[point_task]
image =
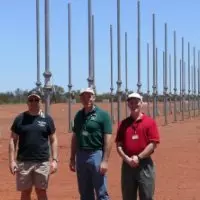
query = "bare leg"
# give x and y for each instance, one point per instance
(41, 194)
(26, 194)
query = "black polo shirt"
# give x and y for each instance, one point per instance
(33, 132)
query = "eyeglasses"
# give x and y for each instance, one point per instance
(33, 100)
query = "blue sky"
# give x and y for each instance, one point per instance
(18, 40)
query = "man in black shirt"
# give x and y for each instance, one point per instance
(31, 130)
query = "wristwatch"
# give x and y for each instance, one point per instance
(54, 159)
(139, 158)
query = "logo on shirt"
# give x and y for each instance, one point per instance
(41, 123)
(93, 117)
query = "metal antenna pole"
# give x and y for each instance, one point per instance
(170, 85)
(111, 78)
(90, 76)
(166, 88)
(93, 53)
(164, 83)
(154, 70)
(198, 83)
(119, 82)
(183, 80)
(148, 89)
(139, 84)
(194, 54)
(38, 83)
(157, 111)
(69, 68)
(181, 108)
(126, 71)
(192, 89)
(189, 89)
(175, 86)
(47, 74)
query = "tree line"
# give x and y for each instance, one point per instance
(59, 95)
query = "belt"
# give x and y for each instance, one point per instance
(89, 150)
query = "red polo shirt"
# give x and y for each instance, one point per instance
(134, 136)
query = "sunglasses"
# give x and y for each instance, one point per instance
(33, 100)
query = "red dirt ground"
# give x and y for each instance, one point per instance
(177, 159)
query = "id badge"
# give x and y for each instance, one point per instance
(135, 137)
(85, 133)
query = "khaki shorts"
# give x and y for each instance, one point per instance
(32, 174)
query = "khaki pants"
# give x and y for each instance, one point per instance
(32, 174)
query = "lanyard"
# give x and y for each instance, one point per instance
(87, 118)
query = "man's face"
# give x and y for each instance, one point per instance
(87, 99)
(134, 105)
(33, 103)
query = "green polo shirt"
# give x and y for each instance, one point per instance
(91, 127)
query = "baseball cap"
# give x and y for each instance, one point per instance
(35, 93)
(134, 95)
(87, 90)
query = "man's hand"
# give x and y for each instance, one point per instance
(13, 167)
(54, 166)
(135, 161)
(129, 161)
(103, 167)
(72, 165)
(132, 161)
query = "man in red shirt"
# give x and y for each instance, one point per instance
(137, 138)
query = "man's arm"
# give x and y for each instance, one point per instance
(149, 149)
(106, 153)
(107, 146)
(121, 152)
(119, 142)
(72, 162)
(107, 137)
(154, 138)
(12, 150)
(119, 145)
(12, 146)
(73, 147)
(54, 145)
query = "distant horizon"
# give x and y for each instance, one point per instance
(115, 93)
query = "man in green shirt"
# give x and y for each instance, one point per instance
(90, 148)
